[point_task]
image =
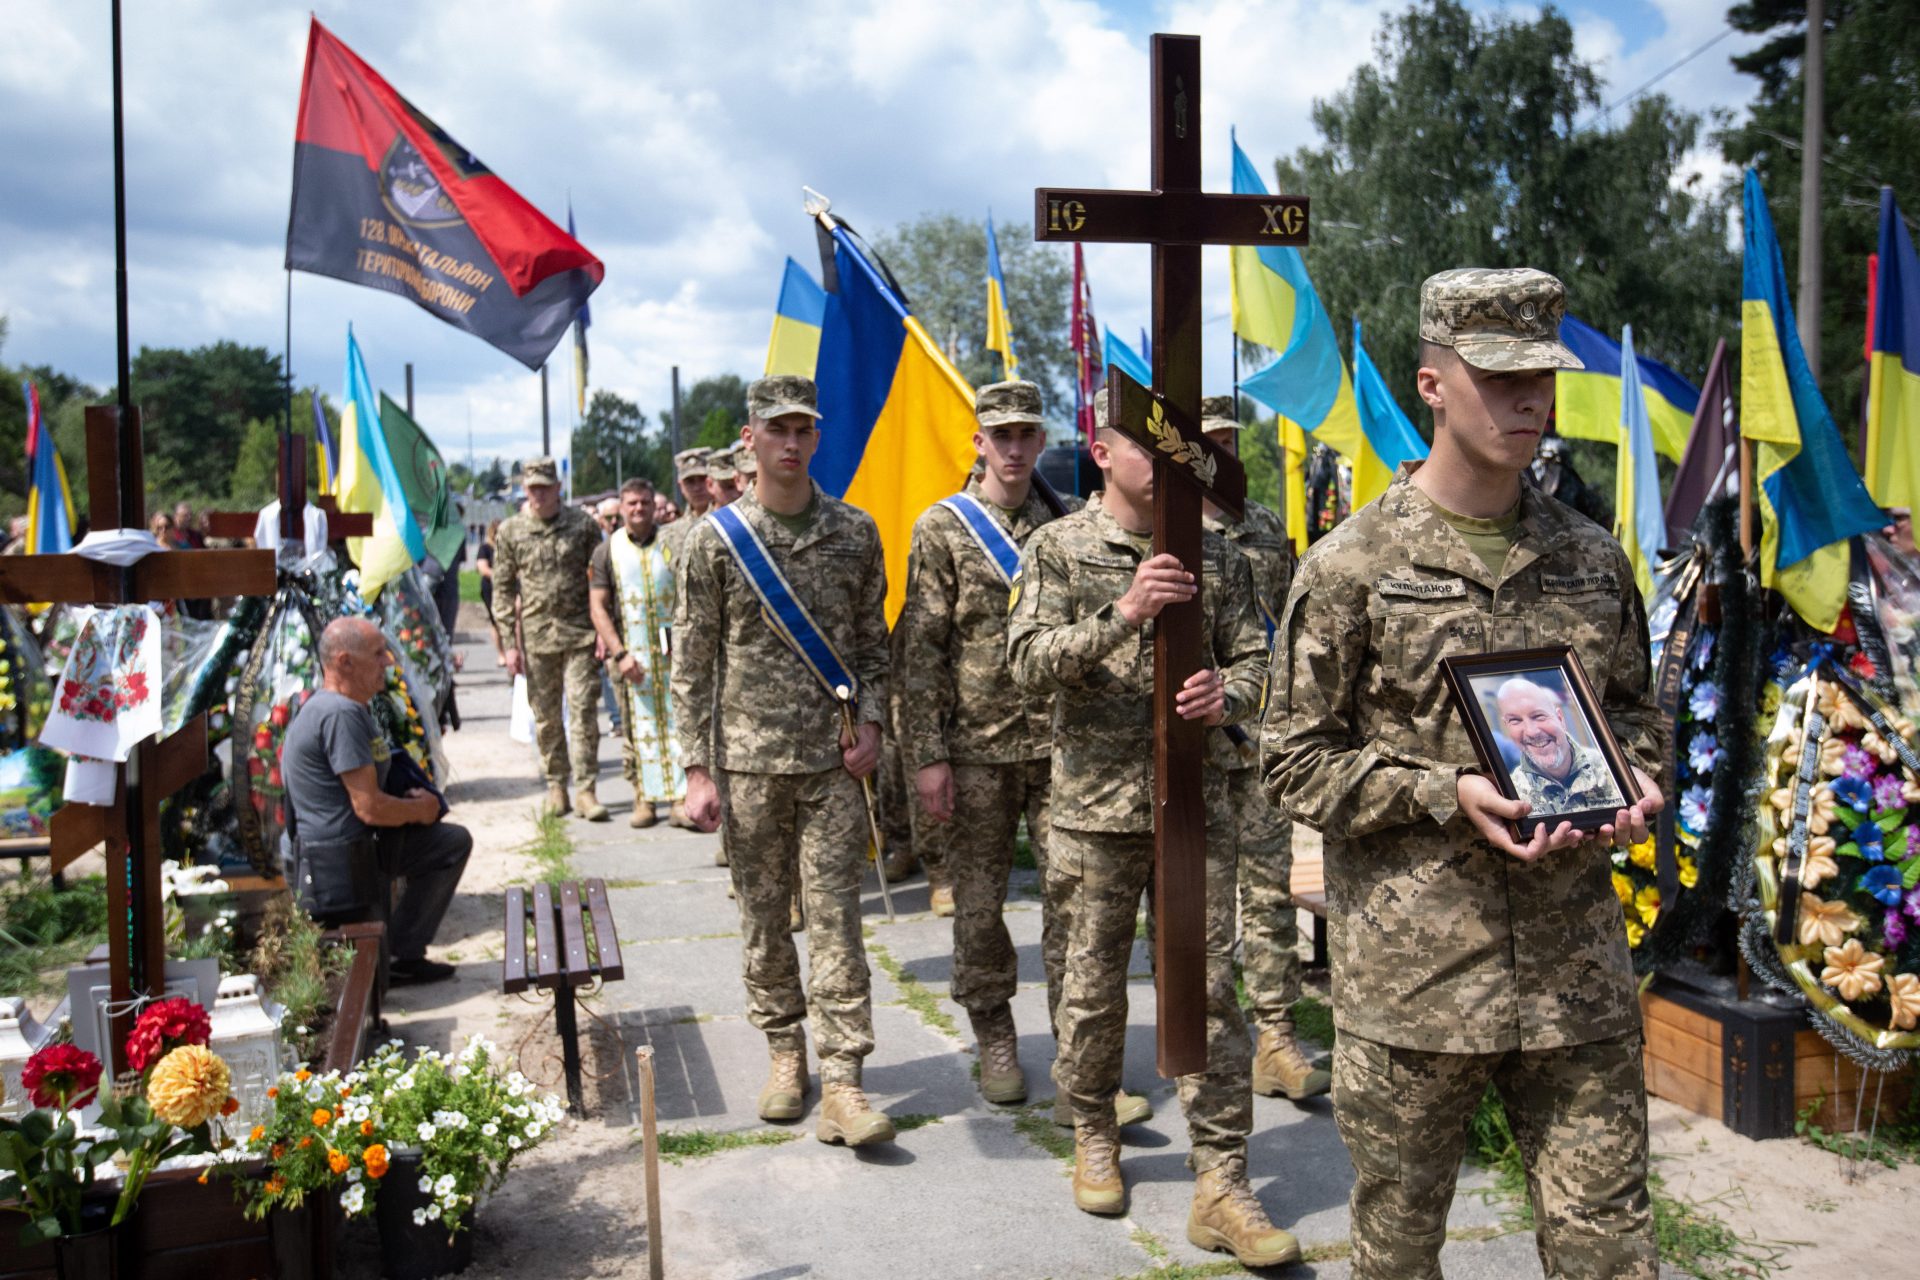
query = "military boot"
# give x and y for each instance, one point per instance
(1280, 1068)
(1001, 1079)
(1227, 1218)
(1097, 1186)
(589, 804)
(796, 917)
(939, 894)
(677, 817)
(899, 864)
(846, 1116)
(785, 1094)
(557, 803)
(1128, 1108)
(643, 814)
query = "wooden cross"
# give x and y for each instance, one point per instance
(1176, 218)
(341, 525)
(130, 826)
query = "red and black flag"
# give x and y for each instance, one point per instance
(383, 197)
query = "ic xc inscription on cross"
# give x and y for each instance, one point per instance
(1176, 218)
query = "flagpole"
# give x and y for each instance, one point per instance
(123, 365)
(546, 427)
(288, 371)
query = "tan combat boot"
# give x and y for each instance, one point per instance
(1097, 1186)
(939, 894)
(589, 804)
(1227, 1218)
(785, 1094)
(643, 814)
(846, 1116)
(1280, 1068)
(1128, 1108)
(898, 865)
(796, 918)
(677, 817)
(1001, 1079)
(557, 803)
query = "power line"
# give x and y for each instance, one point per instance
(1612, 107)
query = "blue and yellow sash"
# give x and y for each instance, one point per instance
(988, 532)
(780, 607)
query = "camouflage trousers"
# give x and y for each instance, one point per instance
(1105, 874)
(1579, 1115)
(1269, 925)
(813, 827)
(893, 796)
(976, 849)
(574, 673)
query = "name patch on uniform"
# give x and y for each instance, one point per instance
(1567, 584)
(1422, 588)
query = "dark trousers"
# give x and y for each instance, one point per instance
(429, 859)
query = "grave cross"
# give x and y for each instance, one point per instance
(130, 826)
(293, 505)
(1176, 218)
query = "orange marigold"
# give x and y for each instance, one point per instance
(306, 1142)
(259, 1132)
(322, 1117)
(276, 1184)
(273, 1091)
(231, 1105)
(376, 1158)
(303, 1075)
(278, 1151)
(366, 1128)
(337, 1161)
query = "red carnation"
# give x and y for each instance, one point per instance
(164, 1026)
(61, 1075)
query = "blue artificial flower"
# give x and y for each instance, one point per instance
(1855, 793)
(1704, 702)
(1868, 837)
(1703, 650)
(1693, 808)
(1702, 752)
(1883, 882)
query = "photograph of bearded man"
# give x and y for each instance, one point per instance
(1550, 756)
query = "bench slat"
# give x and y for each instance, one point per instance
(606, 941)
(546, 949)
(513, 967)
(573, 936)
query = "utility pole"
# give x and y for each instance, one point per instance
(409, 388)
(1813, 72)
(546, 422)
(678, 435)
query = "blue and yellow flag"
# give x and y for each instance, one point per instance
(1116, 354)
(794, 346)
(369, 482)
(326, 453)
(1811, 499)
(1639, 520)
(999, 319)
(1274, 305)
(1893, 369)
(896, 418)
(49, 501)
(1587, 402)
(1390, 435)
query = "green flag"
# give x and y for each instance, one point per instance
(424, 476)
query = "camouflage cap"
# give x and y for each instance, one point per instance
(782, 393)
(1002, 404)
(1216, 414)
(689, 463)
(539, 471)
(744, 462)
(1499, 320)
(720, 464)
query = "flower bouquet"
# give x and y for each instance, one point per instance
(406, 612)
(320, 1135)
(1837, 866)
(281, 671)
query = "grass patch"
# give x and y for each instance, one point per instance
(1150, 1242)
(1892, 1142)
(469, 586)
(913, 993)
(629, 883)
(1140, 927)
(1035, 1124)
(677, 1146)
(551, 848)
(1313, 1020)
(913, 1120)
(45, 931)
(1023, 850)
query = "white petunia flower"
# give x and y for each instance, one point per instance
(489, 1129)
(426, 1185)
(513, 1141)
(419, 1217)
(433, 1211)
(427, 1131)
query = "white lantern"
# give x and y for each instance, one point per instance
(246, 1036)
(20, 1038)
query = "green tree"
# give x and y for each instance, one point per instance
(940, 261)
(723, 394)
(256, 468)
(195, 406)
(1463, 143)
(720, 429)
(608, 445)
(63, 401)
(1871, 139)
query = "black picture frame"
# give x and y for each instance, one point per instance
(1464, 676)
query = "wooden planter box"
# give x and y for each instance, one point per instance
(1754, 1067)
(182, 1230)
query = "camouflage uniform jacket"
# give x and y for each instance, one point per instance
(674, 535)
(1440, 943)
(1065, 637)
(773, 716)
(956, 702)
(543, 564)
(1260, 533)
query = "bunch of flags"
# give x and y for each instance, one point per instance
(794, 345)
(1893, 365)
(50, 518)
(369, 482)
(999, 319)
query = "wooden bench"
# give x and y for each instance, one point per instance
(23, 848)
(1309, 888)
(559, 959)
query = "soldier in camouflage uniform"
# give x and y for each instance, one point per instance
(1460, 957)
(540, 607)
(1083, 601)
(690, 472)
(764, 751)
(722, 478)
(1269, 923)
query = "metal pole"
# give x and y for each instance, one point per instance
(1813, 73)
(409, 388)
(289, 350)
(124, 364)
(678, 435)
(546, 421)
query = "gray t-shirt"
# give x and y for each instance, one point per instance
(330, 735)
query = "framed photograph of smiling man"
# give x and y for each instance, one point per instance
(1537, 730)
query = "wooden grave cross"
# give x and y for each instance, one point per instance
(130, 826)
(341, 525)
(1176, 218)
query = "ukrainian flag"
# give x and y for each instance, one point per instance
(326, 454)
(369, 482)
(1587, 402)
(1811, 499)
(1639, 521)
(1118, 355)
(896, 418)
(999, 321)
(1893, 369)
(1391, 436)
(49, 500)
(1274, 305)
(794, 346)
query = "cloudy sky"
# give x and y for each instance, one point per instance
(683, 133)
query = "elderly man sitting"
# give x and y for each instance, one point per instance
(354, 836)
